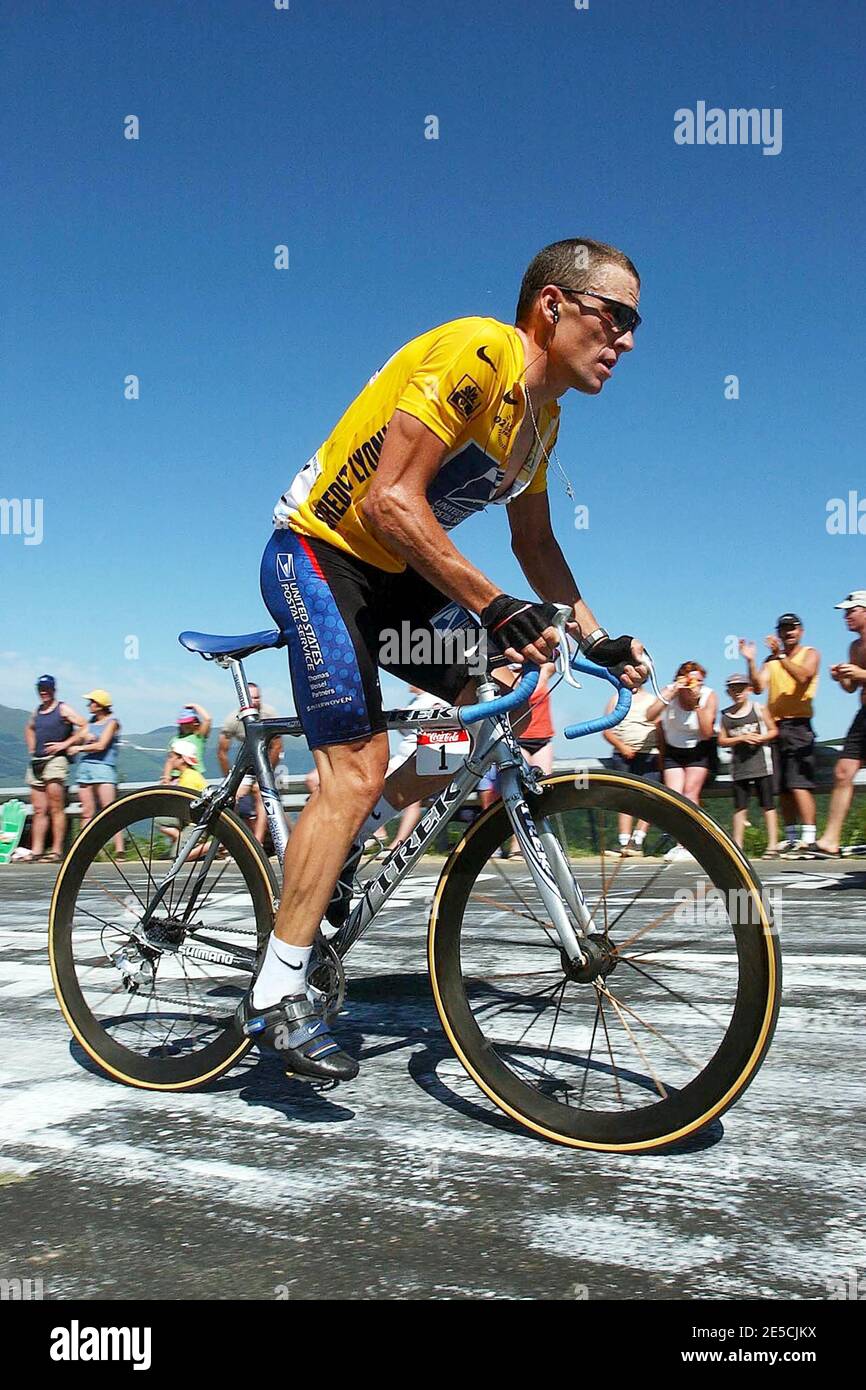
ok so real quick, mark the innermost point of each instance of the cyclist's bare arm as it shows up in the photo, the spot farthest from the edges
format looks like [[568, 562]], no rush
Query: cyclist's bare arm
[[396, 510], [538, 553]]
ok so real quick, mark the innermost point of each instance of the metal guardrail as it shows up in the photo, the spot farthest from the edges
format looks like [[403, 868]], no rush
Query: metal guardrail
[[294, 792]]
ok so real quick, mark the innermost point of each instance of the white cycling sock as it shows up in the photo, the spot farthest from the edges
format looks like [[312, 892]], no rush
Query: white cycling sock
[[639, 836], [381, 813], [623, 838], [284, 971], [810, 834]]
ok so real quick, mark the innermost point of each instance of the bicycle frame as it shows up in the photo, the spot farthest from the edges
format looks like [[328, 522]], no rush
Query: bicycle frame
[[494, 743]]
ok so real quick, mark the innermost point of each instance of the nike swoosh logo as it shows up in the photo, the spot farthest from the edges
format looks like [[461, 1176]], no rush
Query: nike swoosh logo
[[509, 398], [481, 352], [292, 967], [375, 815]]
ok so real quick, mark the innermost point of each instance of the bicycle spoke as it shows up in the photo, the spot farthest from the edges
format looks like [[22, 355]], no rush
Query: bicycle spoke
[[656, 1032], [681, 998], [553, 1025], [659, 1087]]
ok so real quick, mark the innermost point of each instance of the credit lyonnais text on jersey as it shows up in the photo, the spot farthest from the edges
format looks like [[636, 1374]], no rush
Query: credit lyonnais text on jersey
[[463, 381]]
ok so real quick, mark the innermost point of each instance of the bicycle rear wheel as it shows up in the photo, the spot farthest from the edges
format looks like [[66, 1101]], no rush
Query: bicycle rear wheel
[[151, 992], [683, 1004]]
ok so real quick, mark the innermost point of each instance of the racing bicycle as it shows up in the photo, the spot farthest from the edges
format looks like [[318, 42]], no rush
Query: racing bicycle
[[602, 1002]]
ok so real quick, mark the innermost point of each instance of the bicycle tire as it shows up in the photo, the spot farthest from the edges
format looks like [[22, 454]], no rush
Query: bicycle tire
[[121, 1063], [745, 1043]]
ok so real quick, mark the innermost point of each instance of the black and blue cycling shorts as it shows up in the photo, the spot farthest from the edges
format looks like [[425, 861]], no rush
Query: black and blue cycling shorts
[[333, 610]]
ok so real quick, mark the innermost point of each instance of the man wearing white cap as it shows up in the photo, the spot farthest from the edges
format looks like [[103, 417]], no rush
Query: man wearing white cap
[[851, 675]]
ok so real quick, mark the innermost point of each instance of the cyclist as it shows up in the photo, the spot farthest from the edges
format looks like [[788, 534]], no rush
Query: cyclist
[[462, 416]]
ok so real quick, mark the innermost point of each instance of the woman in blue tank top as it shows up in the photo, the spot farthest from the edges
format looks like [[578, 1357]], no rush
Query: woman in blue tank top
[[49, 734], [96, 772]]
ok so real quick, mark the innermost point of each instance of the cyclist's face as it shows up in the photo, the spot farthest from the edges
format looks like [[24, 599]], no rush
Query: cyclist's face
[[586, 346]]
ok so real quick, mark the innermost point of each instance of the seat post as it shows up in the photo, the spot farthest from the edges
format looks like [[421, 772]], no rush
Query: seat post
[[242, 690]]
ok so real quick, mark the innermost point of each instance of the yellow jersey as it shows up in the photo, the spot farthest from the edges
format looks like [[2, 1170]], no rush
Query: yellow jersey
[[464, 381], [785, 698]]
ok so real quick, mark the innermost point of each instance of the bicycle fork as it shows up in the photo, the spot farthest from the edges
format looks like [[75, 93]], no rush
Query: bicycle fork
[[547, 864]]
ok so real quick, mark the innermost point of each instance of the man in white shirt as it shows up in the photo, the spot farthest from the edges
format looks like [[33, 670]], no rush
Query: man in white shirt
[[233, 728]]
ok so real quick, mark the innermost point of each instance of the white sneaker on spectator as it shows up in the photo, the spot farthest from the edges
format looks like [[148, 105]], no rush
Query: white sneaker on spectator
[[797, 850]]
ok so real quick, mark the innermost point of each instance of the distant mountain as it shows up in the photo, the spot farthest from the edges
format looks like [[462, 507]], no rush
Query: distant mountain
[[140, 758]]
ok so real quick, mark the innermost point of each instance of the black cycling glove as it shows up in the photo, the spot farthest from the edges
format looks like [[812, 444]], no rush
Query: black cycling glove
[[614, 653], [512, 622]]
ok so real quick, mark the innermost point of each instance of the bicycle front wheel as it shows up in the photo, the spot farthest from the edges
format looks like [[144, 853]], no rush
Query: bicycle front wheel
[[150, 956], [671, 1021]]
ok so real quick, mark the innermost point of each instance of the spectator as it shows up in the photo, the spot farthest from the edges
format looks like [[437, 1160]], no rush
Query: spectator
[[748, 730], [249, 799], [185, 761], [790, 673], [534, 729], [49, 734], [96, 769], [851, 675], [635, 749], [686, 735]]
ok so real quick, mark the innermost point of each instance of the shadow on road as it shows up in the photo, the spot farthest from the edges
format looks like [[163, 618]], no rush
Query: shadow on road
[[387, 1014]]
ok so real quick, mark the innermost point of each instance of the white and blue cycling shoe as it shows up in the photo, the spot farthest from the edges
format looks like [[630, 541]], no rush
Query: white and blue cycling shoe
[[295, 1029]]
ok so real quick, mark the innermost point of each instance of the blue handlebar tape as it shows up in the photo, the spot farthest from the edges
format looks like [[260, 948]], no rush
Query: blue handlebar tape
[[491, 709], [604, 721]]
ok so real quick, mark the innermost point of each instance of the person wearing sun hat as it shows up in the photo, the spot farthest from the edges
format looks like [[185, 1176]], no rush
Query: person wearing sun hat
[[96, 770], [185, 762], [851, 675]]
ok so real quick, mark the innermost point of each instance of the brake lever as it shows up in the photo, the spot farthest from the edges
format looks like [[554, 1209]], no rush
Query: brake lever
[[564, 615], [651, 668]]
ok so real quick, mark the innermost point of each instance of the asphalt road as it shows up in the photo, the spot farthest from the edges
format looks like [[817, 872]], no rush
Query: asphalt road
[[408, 1183]]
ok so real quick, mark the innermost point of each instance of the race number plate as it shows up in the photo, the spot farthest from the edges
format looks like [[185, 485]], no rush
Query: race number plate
[[441, 750]]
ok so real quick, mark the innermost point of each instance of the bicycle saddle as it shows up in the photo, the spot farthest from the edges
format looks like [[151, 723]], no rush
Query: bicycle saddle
[[209, 646]]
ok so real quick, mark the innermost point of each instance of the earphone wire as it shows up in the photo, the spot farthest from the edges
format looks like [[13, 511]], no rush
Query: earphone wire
[[569, 490]]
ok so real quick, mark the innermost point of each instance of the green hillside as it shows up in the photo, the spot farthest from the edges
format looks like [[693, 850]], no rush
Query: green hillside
[[136, 763]]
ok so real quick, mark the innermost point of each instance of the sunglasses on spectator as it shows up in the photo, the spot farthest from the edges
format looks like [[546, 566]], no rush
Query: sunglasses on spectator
[[623, 317]]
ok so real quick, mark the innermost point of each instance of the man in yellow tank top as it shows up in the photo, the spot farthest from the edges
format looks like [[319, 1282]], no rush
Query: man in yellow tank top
[[790, 675]]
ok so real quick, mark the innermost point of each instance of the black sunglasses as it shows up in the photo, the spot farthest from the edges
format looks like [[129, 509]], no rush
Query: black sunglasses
[[624, 318]]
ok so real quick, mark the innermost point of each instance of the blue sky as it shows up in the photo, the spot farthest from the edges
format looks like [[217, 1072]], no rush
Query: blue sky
[[306, 127]]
